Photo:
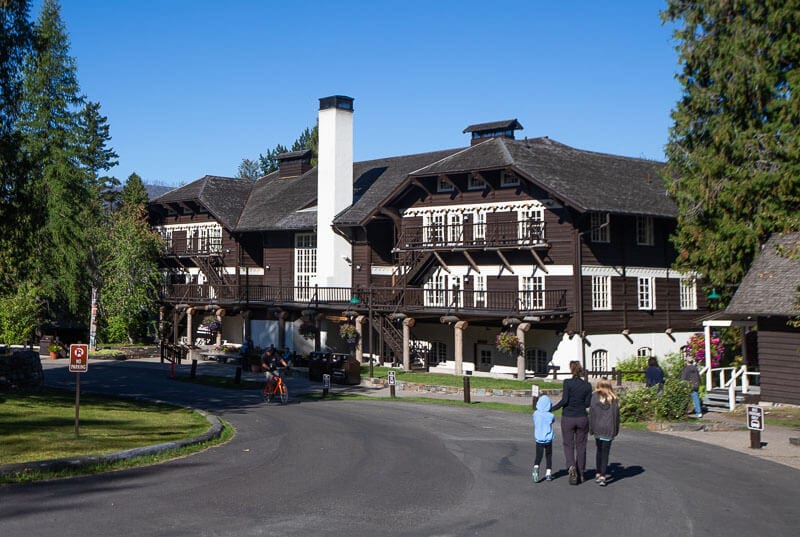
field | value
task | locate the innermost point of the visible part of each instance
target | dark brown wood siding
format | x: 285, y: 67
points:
x: 779, y: 360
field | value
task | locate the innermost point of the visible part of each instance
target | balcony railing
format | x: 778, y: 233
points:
x: 379, y: 298
x: 514, y: 233
x: 193, y: 247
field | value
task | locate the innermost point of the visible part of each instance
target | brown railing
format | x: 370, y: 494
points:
x: 515, y: 233
x: 380, y: 298
x: 193, y: 247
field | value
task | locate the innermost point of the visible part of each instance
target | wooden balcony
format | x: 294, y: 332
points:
x: 472, y: 236
x: 386, y: 299
x: 178, y: 247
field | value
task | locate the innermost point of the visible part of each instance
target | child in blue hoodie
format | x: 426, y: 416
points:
x: 543, y: 421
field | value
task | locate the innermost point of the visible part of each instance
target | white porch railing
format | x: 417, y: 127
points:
x: 729, y: 378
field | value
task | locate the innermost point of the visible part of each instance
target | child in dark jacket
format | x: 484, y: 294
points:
x: 543, y: 434
x: 604, y: 425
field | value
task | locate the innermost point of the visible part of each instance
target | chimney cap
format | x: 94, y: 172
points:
x: 341, y: 102
x: 504, y: 125
x: 294, y: 155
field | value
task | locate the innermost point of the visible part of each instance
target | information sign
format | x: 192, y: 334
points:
x: 535, y: 390
x: 326, y: 381
x: 392, y: 380
x: 755, y: 418
x: 79, y: 358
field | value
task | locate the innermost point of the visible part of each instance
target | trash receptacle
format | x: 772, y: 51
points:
x: 346, y: 369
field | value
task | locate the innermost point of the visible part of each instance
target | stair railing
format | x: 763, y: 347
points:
x: 742, y: 375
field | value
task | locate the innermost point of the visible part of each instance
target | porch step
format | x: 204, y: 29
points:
x: 717, y: 399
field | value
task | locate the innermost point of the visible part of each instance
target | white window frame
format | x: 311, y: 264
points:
x: 644, y: 231
x: 434, y: 226
x: 438, y: 290
x: 479, y: 290
x: 305, y: 265
x: 443, y: 185
x: 455, y: 228
x: 644, y: 352
x: 508, y: 179
x: 600, y: 227
x: 599, y: 360
x: 479, y: 225
x: 688, y: 292
x: 646, y: 292
x: 601, y: 293
x: 530, y: 218
x: 536, y: 299
x: 475, y: 183
x: 438, y: 353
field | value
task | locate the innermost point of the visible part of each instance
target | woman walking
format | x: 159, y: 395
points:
x: 575, y: 399
x: 604, y: 426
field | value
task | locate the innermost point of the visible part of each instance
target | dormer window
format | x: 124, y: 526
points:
x: 475, y: 183
x: 508, y: 180
x: 443, y: 185
x: 599, y: 230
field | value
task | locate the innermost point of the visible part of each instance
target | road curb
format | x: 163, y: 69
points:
x: 55, y: 465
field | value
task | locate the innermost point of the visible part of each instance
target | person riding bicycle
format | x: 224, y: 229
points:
x: 271, y: 362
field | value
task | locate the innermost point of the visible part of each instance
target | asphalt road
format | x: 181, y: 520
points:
x: 366, y: 468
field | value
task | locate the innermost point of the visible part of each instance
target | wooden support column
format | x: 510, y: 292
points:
x: 458, y: 345
x: 282, y: 316
x: 408, y: 322
x: 521, y: 329
x: 360, y: 331
x: 189, y: 314
x: 220, y: 313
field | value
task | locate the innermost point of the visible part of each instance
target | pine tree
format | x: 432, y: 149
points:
x: 734, y: 149
x: 58, y: 190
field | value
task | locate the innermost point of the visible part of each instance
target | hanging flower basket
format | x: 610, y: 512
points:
x: 507, y: 342
x: 211, y: 324
x: 348, y: 333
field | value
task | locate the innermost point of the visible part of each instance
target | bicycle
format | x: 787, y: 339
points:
x: 275, y: 387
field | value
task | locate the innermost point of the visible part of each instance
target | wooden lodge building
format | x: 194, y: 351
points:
x: 431, y: 256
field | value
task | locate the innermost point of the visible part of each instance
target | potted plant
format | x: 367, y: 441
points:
x: 53, y: 349
x: 507, y: 342
x: 348, y: 333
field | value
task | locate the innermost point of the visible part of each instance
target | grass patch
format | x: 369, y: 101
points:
x: 135, y: 462
x: 780, y: 416
x: 40, y: 426
x: 440, y: 379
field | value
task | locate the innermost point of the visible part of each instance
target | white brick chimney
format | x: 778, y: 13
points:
x: 334, y: 189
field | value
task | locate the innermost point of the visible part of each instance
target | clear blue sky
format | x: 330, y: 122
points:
x: 190, y: 87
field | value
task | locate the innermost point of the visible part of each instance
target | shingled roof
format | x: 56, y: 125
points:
x: 585, y: 180
x: 224, y: 197
x: 770, y: 287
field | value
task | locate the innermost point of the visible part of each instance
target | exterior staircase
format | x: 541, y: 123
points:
x: 716, y: 400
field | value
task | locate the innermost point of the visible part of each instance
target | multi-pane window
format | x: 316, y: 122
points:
x: 434, y: 228
x: 443, y: 185
x: 599, y: 360
x: 438, y: 353
x: 440, y: 290
x: 647, y: 293
x: 305, y: 264
x: 644, y: 230
x: 536, y: 360
x: 531, y: 292
x: 479, y: 225
x: 454, y: 228
x: 644, y: 352
x: 531, y: 225
x: 601, y: 292
x: 475, y: 183
x: 507, y: 179
x: 688, y: 294
x: 600, y: 227
x: 479, y: 287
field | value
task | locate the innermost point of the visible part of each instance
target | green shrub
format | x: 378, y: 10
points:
x: 633, y: 368
x: 672, y: 365
x: 647, y: 404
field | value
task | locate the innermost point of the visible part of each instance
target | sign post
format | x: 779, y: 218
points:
x: 755, y: 422
x: 534, y: 395
x: 326, y: 384
x: 392, y: 383
x: 78, y: 363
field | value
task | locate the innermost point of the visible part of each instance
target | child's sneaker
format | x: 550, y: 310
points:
x: 602, y: 481
x: 548, y: 477
x: 535, y: 474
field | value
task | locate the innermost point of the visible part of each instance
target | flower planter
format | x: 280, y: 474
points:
x: 53, y: 355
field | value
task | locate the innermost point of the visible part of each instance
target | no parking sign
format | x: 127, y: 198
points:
x: 78, y: 358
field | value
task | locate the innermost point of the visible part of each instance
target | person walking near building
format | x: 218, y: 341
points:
x: 654, y: 375
x: 543, y: 434
x: 604, y: 426
x: 691, y: 375
x: 575, y: 399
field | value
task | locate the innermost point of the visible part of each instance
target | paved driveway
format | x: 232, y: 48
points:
x: 365, y: 468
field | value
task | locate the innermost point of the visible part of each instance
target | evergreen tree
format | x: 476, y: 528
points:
x: 269, y: 161
x: 58, y: 190
x: 308, y: 139
x: 131, y: 276
x: 734, y: 149
x: 16, y: 35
